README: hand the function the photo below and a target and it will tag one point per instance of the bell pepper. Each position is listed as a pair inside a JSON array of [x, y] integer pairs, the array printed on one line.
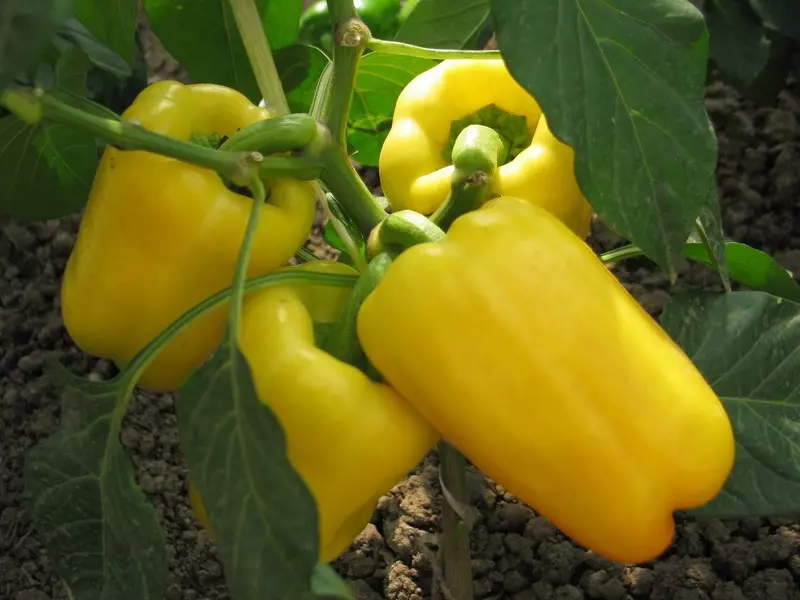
[[382, 17], [515, 342], [158, 235], [414, 165], [350, 438]]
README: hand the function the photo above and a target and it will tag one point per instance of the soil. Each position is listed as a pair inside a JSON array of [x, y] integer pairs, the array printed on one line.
[[517, 555]]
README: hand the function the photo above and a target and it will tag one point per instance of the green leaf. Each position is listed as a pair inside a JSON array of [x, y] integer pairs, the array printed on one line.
[[709, 228], [380, 79], [112, 23], [71, 71], [221, 57], [299, 68], [73, 32], [781, 15], [622, 82], [739, 44], [326, 583], [99, 530], [753, 268], [745, 344], [26, 30], [46, 170], [445, 24], [263, 515]]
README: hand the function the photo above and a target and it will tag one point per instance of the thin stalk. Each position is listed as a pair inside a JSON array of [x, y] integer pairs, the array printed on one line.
[[240, 274], [455, 552], [352, 194], [280, 134], [389, 47], [629, 251], [251, 28], [350, 36], [349, 243], [128, 136]]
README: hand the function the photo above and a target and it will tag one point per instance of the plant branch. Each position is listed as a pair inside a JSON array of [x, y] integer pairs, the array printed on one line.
[[350, 191], [125, 135], [455, 550], [251, 28], [240, 274], [389, 47], [629, 251], [350, 36]]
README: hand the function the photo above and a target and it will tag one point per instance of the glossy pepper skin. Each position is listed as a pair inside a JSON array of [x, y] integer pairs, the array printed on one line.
[[562, 388], [158, 236], [351, 439], [413, 171]]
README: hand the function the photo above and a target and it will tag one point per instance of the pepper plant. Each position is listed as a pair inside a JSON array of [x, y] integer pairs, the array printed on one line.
[[466, 314]]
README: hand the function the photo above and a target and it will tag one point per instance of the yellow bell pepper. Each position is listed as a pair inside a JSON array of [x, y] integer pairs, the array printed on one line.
[[159, 235], [416, 175], [524, 351], [350, 438]]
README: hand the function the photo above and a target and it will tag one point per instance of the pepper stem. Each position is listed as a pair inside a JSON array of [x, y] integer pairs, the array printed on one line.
[[349, 42], [454, 549], [251, 28], [403, 49], [237, 166], [401, 230]]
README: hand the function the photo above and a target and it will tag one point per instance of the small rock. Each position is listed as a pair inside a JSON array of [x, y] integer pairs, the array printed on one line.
[[539, 529], [514, 582], [568, 592]]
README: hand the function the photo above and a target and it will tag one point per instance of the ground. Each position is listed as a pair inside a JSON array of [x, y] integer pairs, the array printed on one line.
[[517, 555]]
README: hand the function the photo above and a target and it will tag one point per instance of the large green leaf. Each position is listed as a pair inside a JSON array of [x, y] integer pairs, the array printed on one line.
[[781, 15], [46, 169], [112, 23], [621, 81], [380, 79], [202, 36], [300, 67], [746, 345], [739, 44], [263, 515], [709, 230], [445, 24], [754, 268], [73, 32], [101, 534], [26, 29]]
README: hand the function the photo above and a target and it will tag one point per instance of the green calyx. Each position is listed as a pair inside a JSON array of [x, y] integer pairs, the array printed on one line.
[[513, 128], [401, 230]]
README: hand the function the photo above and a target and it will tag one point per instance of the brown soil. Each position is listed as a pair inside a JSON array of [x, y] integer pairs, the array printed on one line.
[[517, 555]]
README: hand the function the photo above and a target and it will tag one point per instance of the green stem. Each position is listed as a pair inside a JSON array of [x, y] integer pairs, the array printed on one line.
[[479, 148], [240, 274], [629, 251], [342, 342], [292, 167], [344, 235], [455, 551], [352, 194], [401, 230], [467, 193], [128, 136], [304, 255], [280, 134], [389, 47], [350, 39], [251, 28], [142, 360]]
